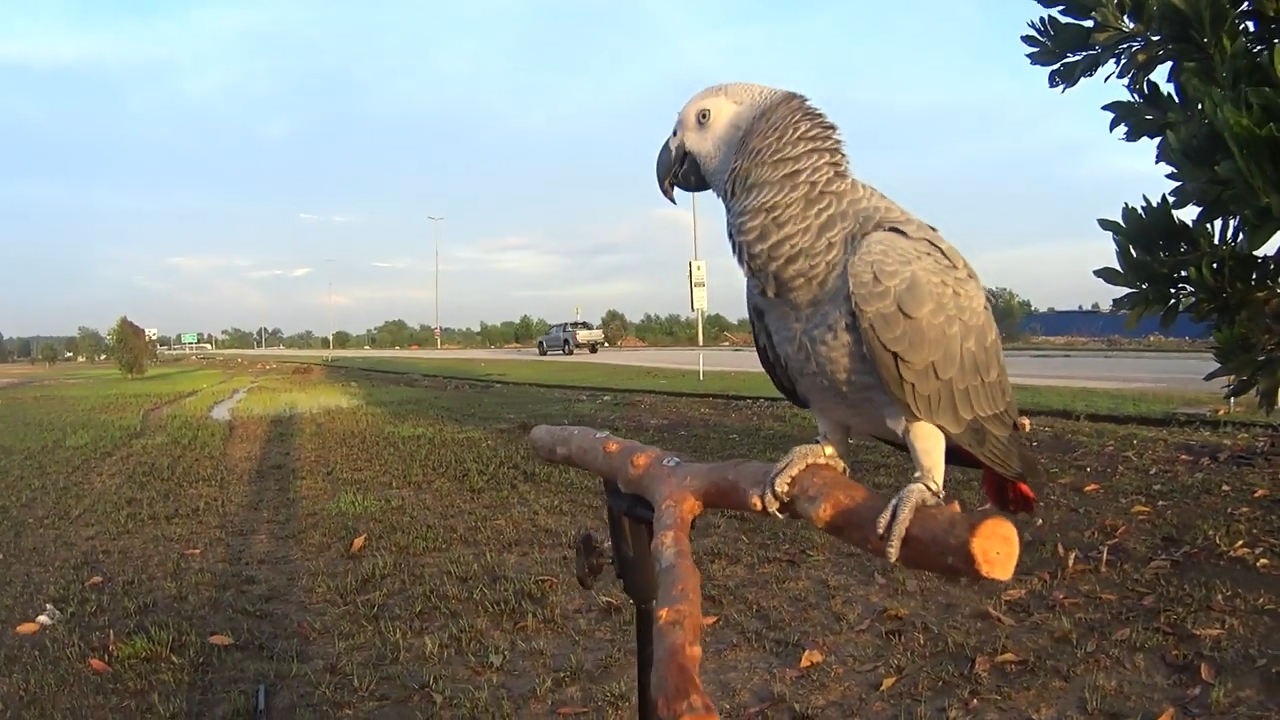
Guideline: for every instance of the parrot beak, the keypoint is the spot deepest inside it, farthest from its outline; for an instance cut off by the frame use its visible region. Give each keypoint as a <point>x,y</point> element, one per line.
<point>678,169</point>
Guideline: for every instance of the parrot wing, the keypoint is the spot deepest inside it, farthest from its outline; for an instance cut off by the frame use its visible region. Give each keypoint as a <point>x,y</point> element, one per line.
<point>928,329</point>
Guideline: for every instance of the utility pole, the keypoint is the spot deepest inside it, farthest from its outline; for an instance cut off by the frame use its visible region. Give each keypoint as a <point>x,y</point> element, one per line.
<point>332,261</point>
<point>693,198</point>
<point>437,220</point>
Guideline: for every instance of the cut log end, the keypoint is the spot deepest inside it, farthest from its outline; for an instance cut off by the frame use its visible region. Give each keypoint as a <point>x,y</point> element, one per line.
<point>994,547</point>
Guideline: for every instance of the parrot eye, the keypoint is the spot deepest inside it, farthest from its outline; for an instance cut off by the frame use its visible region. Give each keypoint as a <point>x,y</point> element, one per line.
<point>704,116</point>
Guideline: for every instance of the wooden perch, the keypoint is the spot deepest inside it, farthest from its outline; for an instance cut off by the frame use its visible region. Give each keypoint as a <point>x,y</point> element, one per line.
<point>939,540</point>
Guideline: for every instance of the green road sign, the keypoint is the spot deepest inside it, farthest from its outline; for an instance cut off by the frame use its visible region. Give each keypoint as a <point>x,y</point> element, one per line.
<point>189,338</point>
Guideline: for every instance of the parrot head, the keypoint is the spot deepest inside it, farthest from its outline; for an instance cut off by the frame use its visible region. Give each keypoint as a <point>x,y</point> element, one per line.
<point>699,152</point>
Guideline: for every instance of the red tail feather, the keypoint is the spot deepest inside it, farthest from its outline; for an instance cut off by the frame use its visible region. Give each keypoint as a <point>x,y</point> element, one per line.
<point>1011,496</point>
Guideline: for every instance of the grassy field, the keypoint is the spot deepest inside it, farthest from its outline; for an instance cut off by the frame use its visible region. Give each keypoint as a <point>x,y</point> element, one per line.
<point>159,533</point>
<point>583,373</point>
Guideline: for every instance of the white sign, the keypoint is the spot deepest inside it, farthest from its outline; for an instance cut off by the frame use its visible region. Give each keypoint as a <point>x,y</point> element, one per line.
<point>697,285</point>
<point>151,333</point>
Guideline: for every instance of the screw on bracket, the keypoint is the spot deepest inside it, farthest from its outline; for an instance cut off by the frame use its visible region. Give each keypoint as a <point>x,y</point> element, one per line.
<point>590,559</point>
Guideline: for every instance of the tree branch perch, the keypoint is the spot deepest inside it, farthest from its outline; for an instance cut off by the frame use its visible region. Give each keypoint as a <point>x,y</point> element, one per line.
<point>943,541</point>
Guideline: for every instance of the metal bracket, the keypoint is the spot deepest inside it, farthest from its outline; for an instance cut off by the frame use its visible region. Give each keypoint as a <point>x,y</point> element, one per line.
<point>630,534</point>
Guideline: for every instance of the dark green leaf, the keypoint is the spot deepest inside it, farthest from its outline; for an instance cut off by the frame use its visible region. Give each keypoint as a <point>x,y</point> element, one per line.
<point>1112,276</point>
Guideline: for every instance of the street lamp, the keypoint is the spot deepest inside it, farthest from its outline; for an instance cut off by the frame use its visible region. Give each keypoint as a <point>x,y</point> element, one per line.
<point>437,220</point>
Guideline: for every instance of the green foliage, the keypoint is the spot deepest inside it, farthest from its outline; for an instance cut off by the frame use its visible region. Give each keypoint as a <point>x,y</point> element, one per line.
<point>1215,117</point>
<point>90,343</point>
<point>4,349</point>
<point>49,353</point>
<point>130,349</point>
<point>22,349</point>
<point>1008,308</point>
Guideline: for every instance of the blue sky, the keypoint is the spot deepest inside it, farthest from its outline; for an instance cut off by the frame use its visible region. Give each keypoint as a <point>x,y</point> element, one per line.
<point>203,165</point>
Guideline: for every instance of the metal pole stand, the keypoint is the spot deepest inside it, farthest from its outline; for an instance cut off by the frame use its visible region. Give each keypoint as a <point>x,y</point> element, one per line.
<point>630,532</point>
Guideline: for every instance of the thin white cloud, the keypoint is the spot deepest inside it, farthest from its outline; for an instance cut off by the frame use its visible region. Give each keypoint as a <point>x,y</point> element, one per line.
<point>200,263</point>
<point>299,272</point>
<point>330,218</point>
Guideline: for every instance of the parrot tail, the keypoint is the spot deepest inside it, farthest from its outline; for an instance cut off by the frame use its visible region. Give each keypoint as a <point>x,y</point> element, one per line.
<point>1013,496</point>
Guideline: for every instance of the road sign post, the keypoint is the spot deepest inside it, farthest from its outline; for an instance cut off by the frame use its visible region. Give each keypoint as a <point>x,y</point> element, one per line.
<point>698,299</point>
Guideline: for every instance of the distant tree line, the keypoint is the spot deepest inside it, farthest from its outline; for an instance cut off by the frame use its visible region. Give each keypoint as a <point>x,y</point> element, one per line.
<point>125,344</point>
<point>673,329</point>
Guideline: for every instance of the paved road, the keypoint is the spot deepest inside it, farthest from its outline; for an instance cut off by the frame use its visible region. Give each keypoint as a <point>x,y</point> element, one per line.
<point>1169,371</point>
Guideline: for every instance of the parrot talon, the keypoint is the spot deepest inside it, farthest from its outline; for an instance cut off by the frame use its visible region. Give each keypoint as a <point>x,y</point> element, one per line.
<point>892,524</point>
<point>799,458</point>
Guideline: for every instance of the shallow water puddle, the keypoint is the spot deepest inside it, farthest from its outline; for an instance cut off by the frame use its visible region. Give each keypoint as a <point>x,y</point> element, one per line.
<point>222,410</point>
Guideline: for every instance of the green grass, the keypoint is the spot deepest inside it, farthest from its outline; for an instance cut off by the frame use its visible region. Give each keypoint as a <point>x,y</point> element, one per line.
<point>1032,399</point>
<point>462,603</point>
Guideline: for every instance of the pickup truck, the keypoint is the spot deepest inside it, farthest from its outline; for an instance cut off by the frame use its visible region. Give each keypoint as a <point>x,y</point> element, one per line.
<point>569,336</point>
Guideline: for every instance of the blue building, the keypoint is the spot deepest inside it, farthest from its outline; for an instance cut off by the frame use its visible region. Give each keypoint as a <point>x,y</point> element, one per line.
<point>1100,324</point>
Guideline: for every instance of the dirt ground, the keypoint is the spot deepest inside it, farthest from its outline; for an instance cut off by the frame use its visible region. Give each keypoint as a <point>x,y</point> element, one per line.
<point>408,556</point>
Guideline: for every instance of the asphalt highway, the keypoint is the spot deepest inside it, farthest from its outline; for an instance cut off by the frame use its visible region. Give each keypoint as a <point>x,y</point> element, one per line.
<point>1063,368</point>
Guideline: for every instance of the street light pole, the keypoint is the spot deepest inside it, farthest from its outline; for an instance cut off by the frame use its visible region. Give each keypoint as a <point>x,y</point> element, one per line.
<point>436,330</point>
<point>333,262</point>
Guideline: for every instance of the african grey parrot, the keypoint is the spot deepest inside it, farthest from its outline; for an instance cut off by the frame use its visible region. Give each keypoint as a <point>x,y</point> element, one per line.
<point>861,313</point>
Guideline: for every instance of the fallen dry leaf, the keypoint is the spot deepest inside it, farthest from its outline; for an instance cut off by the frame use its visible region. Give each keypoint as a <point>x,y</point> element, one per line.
<point>572,710</point>
<point>98,666</point>
<point>1139,509</point>
<point>1015,594</point>
<point>888,682</point>
<point>357,544</point>
<point>1006,658</point>
<point>220,640</point>
<point>191,552</point>
<point>1000,617</point>
<point>1207,674</point>
<point>895,613</point>
<point>94,581</point>
<point>1168,714</point>
<point>862,625</point>
<point>1261,493</point>
<point>709,620</point>
<point>811,657</point>
<point>1024,424</point>
<point>1122,634</point>
<point>1092,487</point>
<point>27,628</point>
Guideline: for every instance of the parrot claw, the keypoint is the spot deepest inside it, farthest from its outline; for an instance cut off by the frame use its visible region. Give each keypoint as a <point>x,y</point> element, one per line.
<point>892,524</point>
<point>821,452</point>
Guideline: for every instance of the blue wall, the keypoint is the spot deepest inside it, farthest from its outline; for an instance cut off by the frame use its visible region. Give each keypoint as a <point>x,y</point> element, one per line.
<point>1092,323</point>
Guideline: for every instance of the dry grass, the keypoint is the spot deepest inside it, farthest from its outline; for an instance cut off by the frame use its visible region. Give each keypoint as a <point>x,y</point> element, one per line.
<point>461,602</point>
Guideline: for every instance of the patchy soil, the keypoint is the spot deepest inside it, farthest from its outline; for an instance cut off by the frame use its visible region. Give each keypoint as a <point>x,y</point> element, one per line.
<point>1149,580</point>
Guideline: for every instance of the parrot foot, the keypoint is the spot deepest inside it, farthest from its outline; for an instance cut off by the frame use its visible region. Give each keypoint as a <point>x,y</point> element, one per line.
<point>892,524</point>
<point>821,452</point>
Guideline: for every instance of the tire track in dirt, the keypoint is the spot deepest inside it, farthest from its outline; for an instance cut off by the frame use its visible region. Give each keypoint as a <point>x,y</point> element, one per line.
<point>261,574</point>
